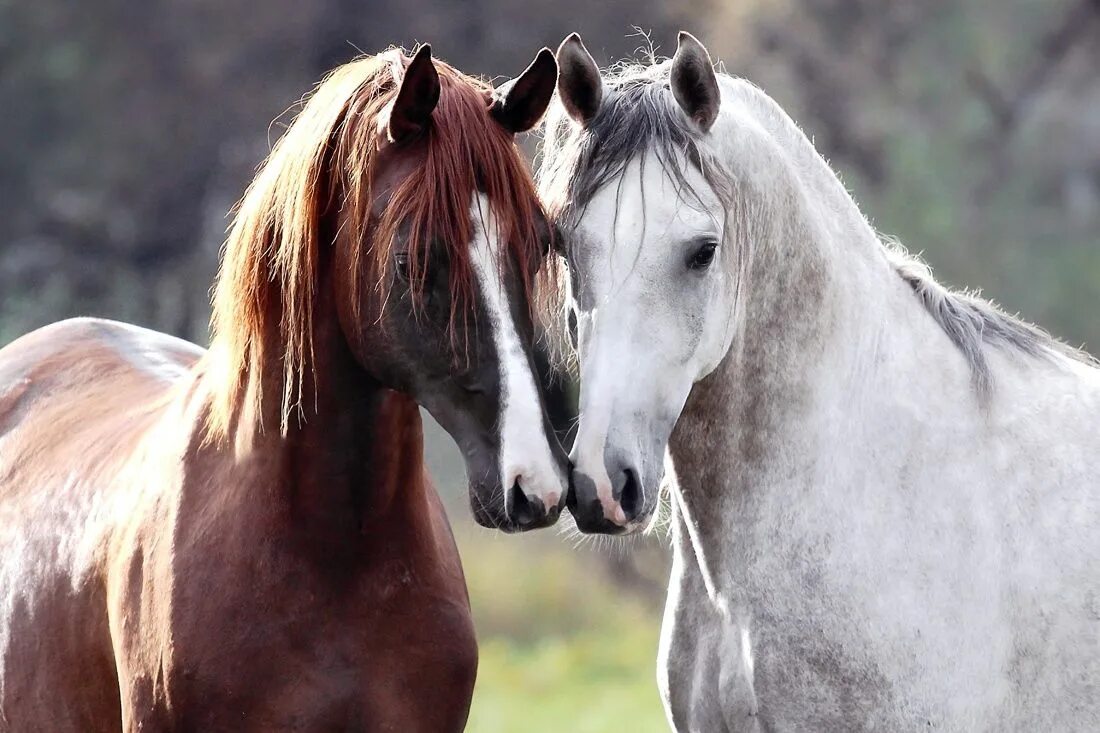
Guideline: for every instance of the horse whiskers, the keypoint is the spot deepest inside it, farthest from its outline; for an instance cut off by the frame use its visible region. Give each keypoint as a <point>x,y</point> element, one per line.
<point>603,543</point>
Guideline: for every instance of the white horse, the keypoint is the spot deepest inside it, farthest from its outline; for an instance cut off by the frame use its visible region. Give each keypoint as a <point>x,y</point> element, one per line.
<point>886,513</point>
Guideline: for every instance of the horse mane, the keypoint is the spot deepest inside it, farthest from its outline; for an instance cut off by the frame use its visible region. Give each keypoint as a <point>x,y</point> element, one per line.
<point>971,321</point>
<point>638,114</point>
<point>324,165</point>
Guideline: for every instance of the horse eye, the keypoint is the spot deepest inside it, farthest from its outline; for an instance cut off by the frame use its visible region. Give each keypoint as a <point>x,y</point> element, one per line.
<point>401,262</point>
<point>473,388</point>
<point>703,256</point>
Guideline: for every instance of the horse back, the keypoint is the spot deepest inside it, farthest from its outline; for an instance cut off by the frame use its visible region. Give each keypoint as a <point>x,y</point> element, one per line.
<point>76,398</point>
<point>67,378</point>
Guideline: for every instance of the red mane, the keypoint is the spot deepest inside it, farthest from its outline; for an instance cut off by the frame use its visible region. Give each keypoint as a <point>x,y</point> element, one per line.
<point>324,166</point>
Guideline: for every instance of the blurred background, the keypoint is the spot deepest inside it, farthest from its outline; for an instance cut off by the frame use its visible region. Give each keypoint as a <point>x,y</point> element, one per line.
<point>970,129</point>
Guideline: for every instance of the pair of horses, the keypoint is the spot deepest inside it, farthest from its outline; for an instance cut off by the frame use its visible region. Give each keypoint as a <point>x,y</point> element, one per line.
<point>884,495</point>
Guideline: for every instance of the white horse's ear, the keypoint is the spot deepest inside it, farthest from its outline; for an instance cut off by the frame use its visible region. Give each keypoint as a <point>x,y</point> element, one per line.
<point>693,82</point>
<point>416,98</point>
<point>579,83</point>
<point>519,105</point>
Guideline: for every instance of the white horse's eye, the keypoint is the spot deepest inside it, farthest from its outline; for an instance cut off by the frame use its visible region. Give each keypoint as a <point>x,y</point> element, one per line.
<point>702,258</point>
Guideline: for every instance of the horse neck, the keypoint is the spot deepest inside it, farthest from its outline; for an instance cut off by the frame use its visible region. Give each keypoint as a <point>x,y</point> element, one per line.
<point>352,456</point>
<point>828,340</point>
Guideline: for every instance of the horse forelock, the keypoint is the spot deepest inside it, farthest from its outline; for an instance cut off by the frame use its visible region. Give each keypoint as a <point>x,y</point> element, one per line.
<point>317,183</point>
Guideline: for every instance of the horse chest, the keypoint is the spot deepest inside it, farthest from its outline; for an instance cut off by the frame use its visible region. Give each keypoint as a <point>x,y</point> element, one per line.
<point>278,640</point>
<point>391,667</point>
<point>752,666</point>
<point>705,668</point>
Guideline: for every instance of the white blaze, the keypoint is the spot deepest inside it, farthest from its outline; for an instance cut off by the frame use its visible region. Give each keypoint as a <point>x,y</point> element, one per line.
<point>524,448</point>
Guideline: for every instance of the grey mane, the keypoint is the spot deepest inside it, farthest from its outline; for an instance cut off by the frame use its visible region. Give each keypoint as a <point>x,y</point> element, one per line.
<point>639,113</point>
<point>971,321</point>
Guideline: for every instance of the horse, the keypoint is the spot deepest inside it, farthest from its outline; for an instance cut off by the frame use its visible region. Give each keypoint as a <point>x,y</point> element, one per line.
<point>885,499</point>
<point>246,538</point>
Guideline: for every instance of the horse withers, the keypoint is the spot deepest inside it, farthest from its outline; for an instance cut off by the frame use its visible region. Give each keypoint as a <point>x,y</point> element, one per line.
<point>245,538</point>
<point>886,506</point>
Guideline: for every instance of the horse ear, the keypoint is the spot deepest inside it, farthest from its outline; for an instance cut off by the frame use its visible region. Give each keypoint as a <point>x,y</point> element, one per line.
<point>579,83</point>
<point>694,84</point>
<point>520,104</point>
<point>416,99</point>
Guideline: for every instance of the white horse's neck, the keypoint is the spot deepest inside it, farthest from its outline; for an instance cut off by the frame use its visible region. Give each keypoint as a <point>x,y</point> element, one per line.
<point>835,363</point>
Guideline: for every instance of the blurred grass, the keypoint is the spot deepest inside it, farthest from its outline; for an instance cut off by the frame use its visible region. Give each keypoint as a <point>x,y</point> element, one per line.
<point>560,649</point>
<point>589,682</point>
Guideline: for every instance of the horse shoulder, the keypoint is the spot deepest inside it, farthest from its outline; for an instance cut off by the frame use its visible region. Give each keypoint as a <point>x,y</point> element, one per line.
<point>432,643</point>
<point>435,600</point>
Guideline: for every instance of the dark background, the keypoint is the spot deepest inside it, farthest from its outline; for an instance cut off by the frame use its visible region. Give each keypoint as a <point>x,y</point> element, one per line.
<point>971,129</point>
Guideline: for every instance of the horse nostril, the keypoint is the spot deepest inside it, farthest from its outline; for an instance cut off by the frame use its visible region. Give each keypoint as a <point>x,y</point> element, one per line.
<point>521,510</point>
<point>631,495</point>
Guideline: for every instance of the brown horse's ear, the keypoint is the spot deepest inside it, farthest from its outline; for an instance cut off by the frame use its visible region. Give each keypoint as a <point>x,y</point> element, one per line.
<point>520,104</point>
<point>693,82</point>
<point>416,99</point>
<point>579,83</point>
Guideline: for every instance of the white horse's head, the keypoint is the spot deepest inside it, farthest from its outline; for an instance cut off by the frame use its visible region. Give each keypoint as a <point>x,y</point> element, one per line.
<point>629,172</point>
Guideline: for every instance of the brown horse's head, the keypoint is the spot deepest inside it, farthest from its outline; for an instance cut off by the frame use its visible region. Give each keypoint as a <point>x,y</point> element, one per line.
<point>401,180</point>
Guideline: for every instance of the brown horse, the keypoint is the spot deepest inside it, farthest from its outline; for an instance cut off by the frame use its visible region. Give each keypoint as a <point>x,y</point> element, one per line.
<point>246,539</point>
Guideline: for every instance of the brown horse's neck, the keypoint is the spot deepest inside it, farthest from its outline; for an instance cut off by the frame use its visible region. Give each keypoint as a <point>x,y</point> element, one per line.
<point>357,453</point>
<point>352,456</point>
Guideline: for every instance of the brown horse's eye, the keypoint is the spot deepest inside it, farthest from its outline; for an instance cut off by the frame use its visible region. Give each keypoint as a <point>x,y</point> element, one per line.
<point>401,266</point>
